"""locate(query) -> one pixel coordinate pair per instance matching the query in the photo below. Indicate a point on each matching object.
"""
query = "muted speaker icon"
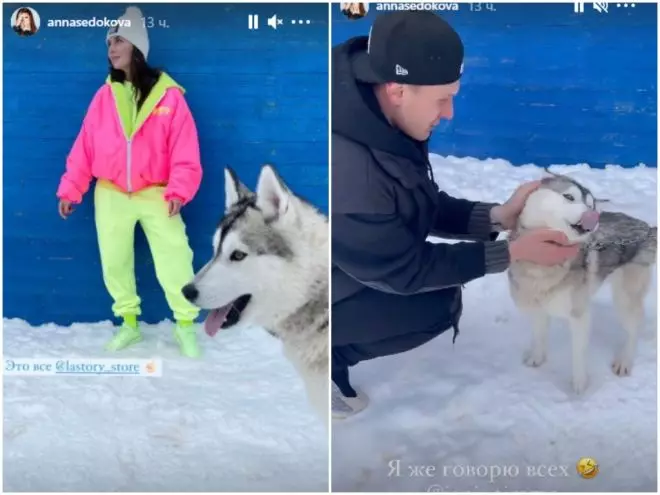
(274, 21)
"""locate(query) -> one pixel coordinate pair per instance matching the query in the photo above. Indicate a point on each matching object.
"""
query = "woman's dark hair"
(348, 10)
(33, 24)
(143, 76)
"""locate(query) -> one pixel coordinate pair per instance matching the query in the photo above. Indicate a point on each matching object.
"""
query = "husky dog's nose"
(190, 292)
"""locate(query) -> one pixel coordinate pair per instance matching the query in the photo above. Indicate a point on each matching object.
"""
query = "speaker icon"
(274, 21)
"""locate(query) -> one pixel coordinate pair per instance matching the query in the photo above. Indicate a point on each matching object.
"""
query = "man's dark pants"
(374, 324)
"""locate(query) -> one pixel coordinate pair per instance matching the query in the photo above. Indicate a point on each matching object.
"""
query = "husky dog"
(270, 269)
(614, 246)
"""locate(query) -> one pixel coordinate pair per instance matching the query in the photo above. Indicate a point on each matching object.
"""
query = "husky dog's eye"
(569, 197)
(237, 255)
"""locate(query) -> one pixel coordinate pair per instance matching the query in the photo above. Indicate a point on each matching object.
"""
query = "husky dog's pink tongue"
(215, 319)
(589, 220)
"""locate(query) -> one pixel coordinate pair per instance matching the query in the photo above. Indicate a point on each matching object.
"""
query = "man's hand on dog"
(507, 214)
(65, 208)
(544, 247)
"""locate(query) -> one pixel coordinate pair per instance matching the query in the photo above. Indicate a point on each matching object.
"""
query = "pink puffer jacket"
(164, 150)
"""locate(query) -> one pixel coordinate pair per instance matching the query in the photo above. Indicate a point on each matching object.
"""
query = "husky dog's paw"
(534, 358)
(580, 383)
(622, 366)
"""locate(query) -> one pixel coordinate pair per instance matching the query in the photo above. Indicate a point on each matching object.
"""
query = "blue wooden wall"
(257, 96)
(545, 85)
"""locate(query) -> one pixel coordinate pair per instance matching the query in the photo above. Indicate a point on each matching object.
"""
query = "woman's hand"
(173, 207)
(65, 208)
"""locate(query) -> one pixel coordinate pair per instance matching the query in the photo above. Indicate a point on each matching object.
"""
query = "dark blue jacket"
(385, 204)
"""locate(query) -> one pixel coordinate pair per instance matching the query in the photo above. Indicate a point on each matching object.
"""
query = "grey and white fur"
(273, 247)
(622, 250)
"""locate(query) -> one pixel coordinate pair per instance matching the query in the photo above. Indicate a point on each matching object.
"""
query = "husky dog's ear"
(273, 197)
(551, 173)
(235, 190)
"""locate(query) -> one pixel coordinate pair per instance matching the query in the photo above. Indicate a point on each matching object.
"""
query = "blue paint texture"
(545, 85)
(257, 96)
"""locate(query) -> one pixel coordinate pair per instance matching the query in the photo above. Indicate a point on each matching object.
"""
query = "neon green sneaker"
(185, 334)
(126, 336)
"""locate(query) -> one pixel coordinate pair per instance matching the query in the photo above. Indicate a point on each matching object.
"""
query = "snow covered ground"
(476, 414)
(235, 421)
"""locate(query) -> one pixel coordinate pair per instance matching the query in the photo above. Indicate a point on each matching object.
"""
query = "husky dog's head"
(561, 203)
(258, 269)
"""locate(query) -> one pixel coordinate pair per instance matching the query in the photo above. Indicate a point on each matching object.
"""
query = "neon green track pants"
(116, 214)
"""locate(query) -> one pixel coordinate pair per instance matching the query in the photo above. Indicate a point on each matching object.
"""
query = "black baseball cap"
(410, 47)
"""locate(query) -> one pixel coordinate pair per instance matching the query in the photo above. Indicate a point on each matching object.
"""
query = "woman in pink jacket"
(139, 140)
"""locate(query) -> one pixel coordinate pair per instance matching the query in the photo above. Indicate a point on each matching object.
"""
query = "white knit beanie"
(132, 29)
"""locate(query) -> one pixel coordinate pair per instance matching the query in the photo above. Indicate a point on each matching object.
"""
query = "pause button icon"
(253, 21)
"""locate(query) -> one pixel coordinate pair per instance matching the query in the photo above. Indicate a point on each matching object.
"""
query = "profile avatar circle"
(25, 21)
(354, 10)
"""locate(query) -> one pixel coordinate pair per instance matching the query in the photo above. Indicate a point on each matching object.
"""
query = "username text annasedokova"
(434, 6)
(99, 22)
